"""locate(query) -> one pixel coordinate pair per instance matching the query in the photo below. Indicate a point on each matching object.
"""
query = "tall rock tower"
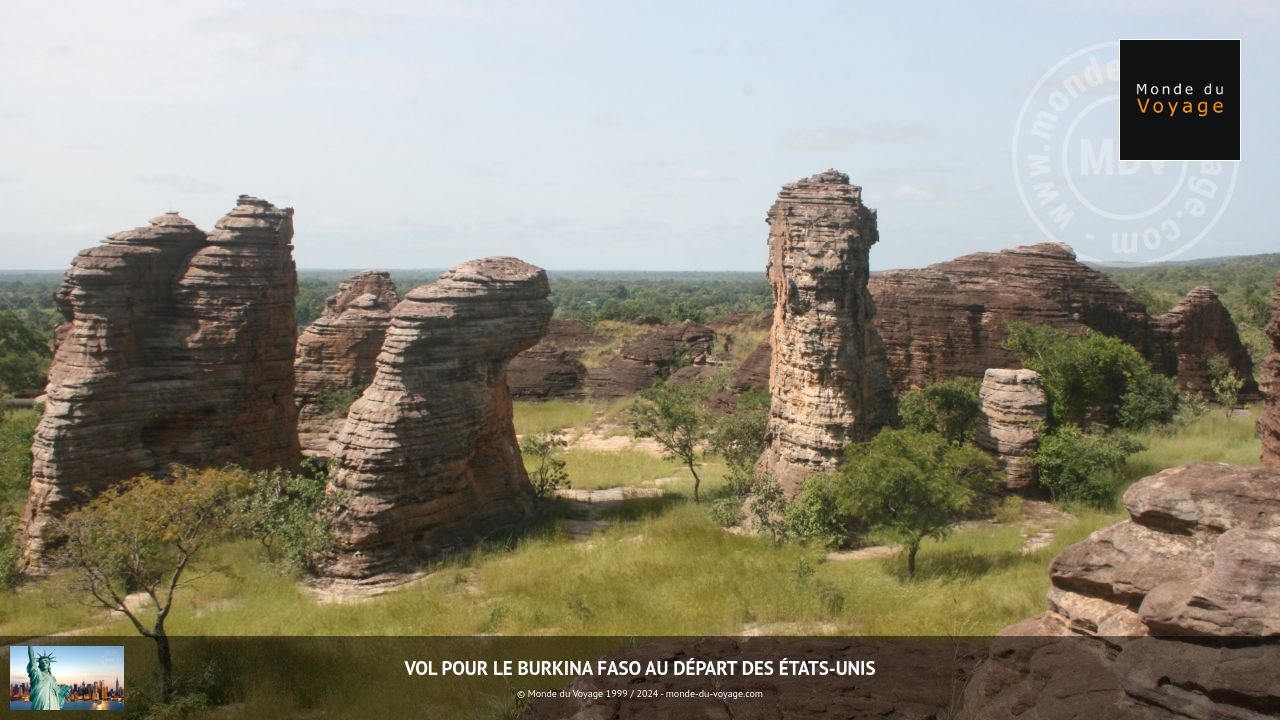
(177, 347)
(1269, 423)
(827, 378)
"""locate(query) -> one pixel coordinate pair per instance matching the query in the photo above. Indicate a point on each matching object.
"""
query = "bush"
(548, 472)
(10, 552)
(287, 513)
(739, 438)
(337, 403)
(1076, 466)
(17, 430)
(726, 512)
(947, 407)
(1094, 378)
(814, 515)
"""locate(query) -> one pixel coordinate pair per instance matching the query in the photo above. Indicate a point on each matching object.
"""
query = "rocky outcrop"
(1188, 336)
(951, 319)
(177, 347)
(651, 357)
(427, 457)
(1172, 613)
(553, 368)
(336, 354)
(1269, 422)
(827, 380)
(1012, 414)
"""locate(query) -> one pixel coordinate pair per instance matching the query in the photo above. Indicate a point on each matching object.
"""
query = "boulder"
(1188, 336)
(1013, 412)
(827, 379)
(177, 347)
(1174, 613)
(427, 458)
(650, 357)
(553, 368)
(337, 352)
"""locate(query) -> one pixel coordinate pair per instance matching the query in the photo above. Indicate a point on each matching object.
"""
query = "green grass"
(1210, 437)
(536, 417)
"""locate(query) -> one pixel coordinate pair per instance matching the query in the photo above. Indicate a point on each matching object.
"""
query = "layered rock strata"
(650, 357)
(952, 318)
(1174, 613)
(1194, 331)
(1012, 414)
(827, 377)
(336, 354)
(1269, 422)
(553, 368)
(427, 458)
(177, 347)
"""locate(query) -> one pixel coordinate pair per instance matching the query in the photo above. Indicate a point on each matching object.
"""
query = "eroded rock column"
(827, 376)
(428, 455)
(1013, 411)
(1269, 422)
(177, 347)
(337, 353)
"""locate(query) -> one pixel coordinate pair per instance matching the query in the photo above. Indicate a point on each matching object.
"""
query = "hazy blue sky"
(609, 135)
(72, 663)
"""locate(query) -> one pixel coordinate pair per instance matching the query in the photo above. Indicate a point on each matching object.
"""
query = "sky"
(575, 135)
(72, 663)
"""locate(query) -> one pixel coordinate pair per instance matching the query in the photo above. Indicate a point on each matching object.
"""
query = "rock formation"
(950, 319)
(650, 357)
(827, 379)
(1269, 423)
(1172, 613)
(1190, 334)
(1013, 409)
(427, 457)
(336, 354)
(177, 348)
(553, 368)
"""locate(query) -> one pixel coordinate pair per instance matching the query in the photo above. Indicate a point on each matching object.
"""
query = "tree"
(947, 407)
(1094, 378)
(1224, 382)
(675, 416)
(549, 473)
(287, 512)
(739, 438)
(908, 485)
(142, 536)
(24, 354)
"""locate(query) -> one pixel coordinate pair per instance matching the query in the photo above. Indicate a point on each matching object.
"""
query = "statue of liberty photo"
(46, 693)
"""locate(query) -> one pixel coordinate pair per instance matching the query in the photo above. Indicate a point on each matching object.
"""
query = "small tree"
(548, 472)
(909, 485)
(142, 536)
(675, 416)
(288, 513)
(947, 407)
(739, 438)
(1224, 382)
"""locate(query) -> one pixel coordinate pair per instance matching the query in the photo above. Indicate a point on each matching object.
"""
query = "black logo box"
(1187, 68)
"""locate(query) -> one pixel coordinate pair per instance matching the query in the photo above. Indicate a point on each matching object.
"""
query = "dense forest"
(28, 315)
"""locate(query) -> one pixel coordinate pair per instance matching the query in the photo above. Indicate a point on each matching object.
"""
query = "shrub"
(739, 438)
(947, 407)
(1079, 466)
(726, 512)
(676, 417)
(287, 512)
(10, 552)
(337, 403)
(814, 515)
(548, 472)
(1093, 377)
